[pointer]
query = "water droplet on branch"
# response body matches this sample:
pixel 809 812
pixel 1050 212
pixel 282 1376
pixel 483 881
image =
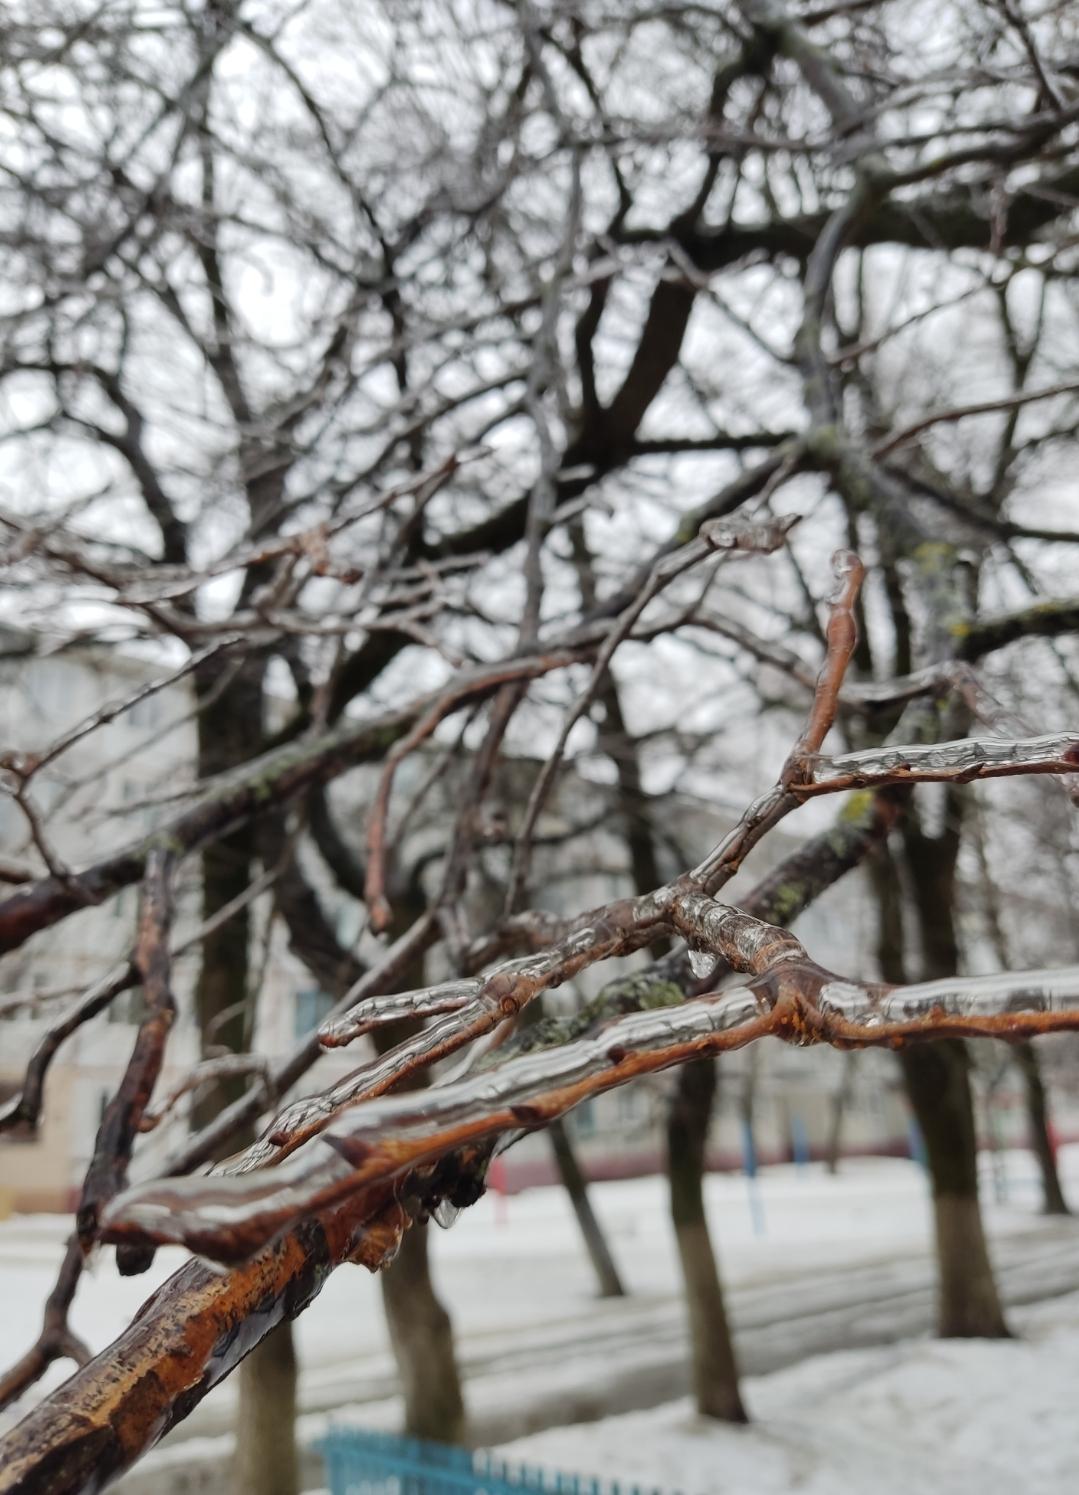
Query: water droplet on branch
pixel 702 963
pixel 445 1214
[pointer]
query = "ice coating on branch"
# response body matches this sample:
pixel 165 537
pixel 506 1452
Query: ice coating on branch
pixel 508 987
pixel 733 534
pixel 722 861
pixel 308 1115
pixel 227 1217
pixel 364 1149
pixel 968 758
pixel 959 996
pixel 375 1012
pixel 844 563
pixel 466 1009
pixel 463 1011
pixel 748 944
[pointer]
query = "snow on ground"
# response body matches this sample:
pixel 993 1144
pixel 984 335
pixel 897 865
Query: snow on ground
pixel 943 1417
pixel 517 1264
pixel 513 1271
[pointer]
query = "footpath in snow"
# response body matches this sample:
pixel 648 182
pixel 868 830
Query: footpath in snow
pixel 821 1263
pixel 958 1417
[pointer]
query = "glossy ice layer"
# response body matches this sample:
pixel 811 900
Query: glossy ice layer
pixel 966 996
pixel 968 758
pixel 229 1216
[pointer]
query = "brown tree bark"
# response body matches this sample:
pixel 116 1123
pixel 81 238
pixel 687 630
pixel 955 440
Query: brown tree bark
pixel 715 1369
pixel 573 1181
pixel 781 897
pixel 266 1457
pixel 229 729
pixel 421 1330
pixel 1053 1201
pixel 938 1084
pixel 422 1337
pixel 715 1366
pixel 840 1102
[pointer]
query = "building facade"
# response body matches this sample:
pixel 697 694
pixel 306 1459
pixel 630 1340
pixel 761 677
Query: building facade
pixel 119 780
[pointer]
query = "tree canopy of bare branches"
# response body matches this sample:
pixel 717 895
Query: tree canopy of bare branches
pixel 489 388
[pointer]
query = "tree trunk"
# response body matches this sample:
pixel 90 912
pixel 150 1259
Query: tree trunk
pixel 573 1181
pixel 840 1102
pixel 938 1083
pixel 422 1338
pixel 1053 1201
pixel 266 1459
pixel 421 1330
pixel 715 1369
pixel 229 730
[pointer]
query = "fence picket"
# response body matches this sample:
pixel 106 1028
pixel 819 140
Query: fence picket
pixel 360 1462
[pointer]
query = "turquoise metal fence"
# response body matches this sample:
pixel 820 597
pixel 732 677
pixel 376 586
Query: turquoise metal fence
pixel 359 1462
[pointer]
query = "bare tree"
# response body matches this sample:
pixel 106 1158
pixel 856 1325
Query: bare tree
pixel 490 385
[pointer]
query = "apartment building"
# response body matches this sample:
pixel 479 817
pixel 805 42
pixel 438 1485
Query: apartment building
pixel 119 780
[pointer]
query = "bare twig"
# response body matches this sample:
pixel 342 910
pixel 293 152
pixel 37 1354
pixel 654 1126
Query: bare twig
pixel 120 1124
pixel 56 1341
pixel 224 1066
pixel 960 412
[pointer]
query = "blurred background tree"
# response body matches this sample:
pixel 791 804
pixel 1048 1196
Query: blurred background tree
pixel 344 350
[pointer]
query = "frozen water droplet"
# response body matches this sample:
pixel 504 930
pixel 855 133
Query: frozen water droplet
pixel 702 963
pixel 444 1214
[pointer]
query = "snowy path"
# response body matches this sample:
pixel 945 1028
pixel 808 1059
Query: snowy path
pixel 620 1356
pixel 946 1418
pixel 844 1262
pixel 615 1356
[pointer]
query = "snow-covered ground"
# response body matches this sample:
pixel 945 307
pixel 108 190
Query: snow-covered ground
pixel 943 1418
pixel 509 1267
pixel 821 1262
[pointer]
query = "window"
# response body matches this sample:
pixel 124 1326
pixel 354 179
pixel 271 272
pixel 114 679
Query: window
pixel 348 923
pixel 312 1005
pixel 584 1119
pixel 629 1103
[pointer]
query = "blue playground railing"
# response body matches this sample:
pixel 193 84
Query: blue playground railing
pixel 359 1462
